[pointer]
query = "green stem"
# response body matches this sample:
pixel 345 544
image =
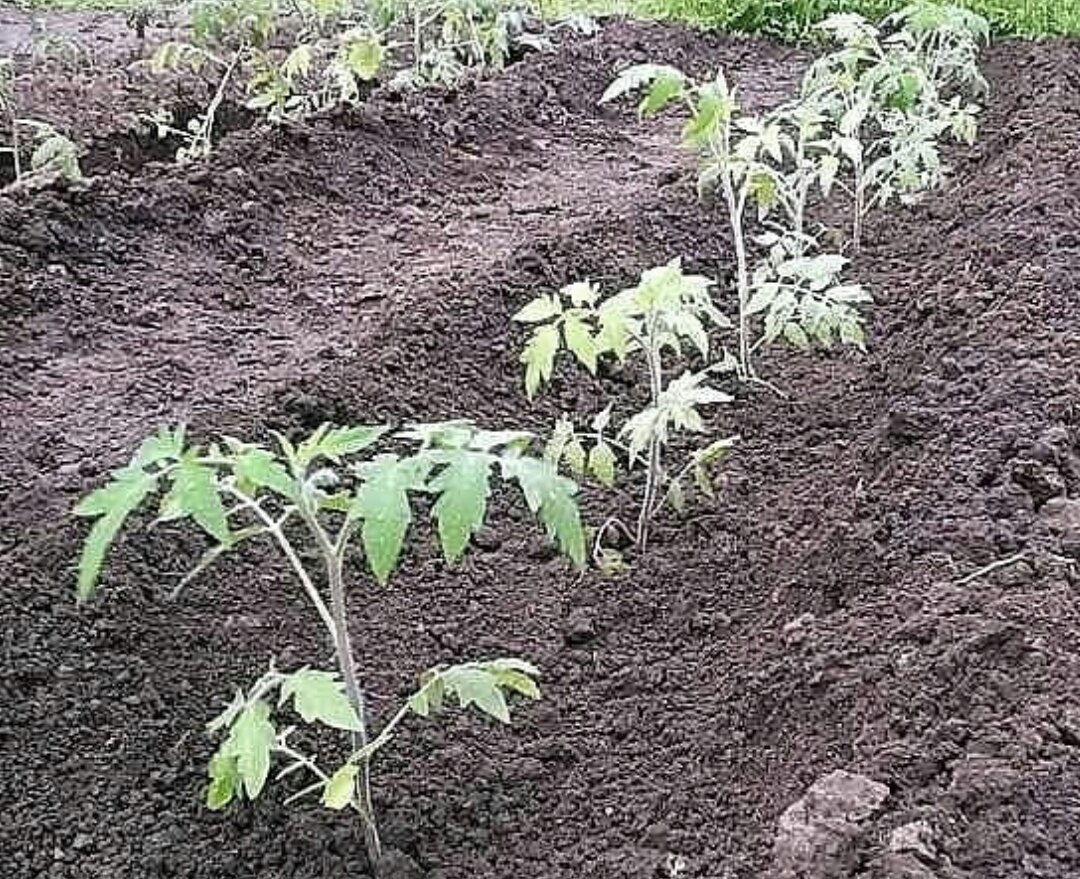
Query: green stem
pixel 653 473
pixel 333 555
pixel 736 207
pixel 274 528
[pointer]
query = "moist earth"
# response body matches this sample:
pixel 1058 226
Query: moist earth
pixel 860 660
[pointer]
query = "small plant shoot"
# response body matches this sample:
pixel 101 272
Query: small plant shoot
pixel 772 163
pixel 52 155
pixel 315 499
pixel 667 312
pixel 869 120
pixel 894 92
pixel 290 60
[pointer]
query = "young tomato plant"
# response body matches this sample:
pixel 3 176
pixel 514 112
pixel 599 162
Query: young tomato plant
pixel 894 95
pixel 320 494
pixel 665 311
pixel 52 154
pixel 773 162
pixel 329 57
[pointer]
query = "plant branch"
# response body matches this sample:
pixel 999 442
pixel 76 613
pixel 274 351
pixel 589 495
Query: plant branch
pixel 274 528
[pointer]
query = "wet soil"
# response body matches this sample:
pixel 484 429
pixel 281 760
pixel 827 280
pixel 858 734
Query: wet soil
pixel 826 612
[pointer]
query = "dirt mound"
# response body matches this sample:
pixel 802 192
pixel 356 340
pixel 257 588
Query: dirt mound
pixel 822 615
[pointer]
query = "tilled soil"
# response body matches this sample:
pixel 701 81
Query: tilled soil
pixel 831 610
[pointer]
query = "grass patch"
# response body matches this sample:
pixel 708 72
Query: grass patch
pixel 791 19
pixel 787 19
pixel 80 5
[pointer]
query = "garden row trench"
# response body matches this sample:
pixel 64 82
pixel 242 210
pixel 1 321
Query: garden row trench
pixel 819 615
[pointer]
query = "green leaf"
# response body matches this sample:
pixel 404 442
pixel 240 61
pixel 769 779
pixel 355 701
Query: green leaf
pixel 382 502
pixel 194 493
pixel 166 445
pixel 476 686
pixel 224 781
pixel 340 788
pixel 580 341
pixel 574 456
pixel 665 87
pixel 602 464
pixel 633 78
pixel 338 442
pixel 250 741
pixel 796 335
pixel 551 497
pixel 539 358
pixel 364 56
pixel 463 488
pixel 320 696
pixel 114 502
pixel 256 467
pixel 582 294
pixel 540 309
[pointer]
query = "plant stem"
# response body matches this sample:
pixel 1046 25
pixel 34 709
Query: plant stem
pixel 860 208
pixel 333 554
pixel 274 529
pixel 736 206
pixel 15 147
pixel 653 473
pixel 203 141
pixel 351 678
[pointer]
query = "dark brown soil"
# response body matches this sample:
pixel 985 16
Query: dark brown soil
pixel 819 616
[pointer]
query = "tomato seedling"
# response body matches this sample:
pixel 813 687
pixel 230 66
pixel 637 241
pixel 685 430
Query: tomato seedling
pixel 325 491
pixel 665 311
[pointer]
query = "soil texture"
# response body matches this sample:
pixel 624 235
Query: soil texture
pixel 834 615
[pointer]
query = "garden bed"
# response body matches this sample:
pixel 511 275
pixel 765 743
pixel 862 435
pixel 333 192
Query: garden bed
pixel 820 615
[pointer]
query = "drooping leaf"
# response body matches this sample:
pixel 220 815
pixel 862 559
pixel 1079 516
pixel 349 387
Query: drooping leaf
pixel 551 497
pixel 602 463
pixel 251 739
pixel 580 341
pixel 320 696
pixel 113 502
pixel 515 674
pixel 224 781
pixel 574 456
pixel 539 358
pixel 463 487
pixel 194 493
pixel 339 789
pixel 676 497
pixel 477 686
pixel 633 78
pixel 382 502
pixel 297 63
pixel 429 698
pixel 796 335
pixel 540 309
pixel 560 436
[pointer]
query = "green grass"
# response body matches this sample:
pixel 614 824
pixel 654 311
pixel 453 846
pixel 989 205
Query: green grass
pixel 789 19
pixel 79 5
